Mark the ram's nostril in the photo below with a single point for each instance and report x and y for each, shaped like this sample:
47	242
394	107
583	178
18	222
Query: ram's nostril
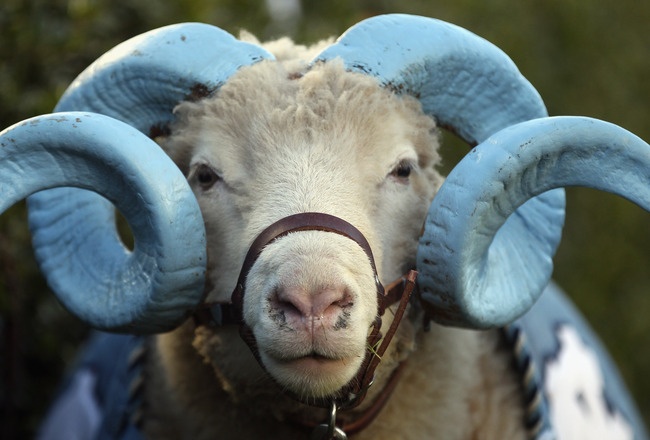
286	307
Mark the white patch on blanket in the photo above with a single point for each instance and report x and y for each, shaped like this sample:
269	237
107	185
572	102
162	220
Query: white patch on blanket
574	384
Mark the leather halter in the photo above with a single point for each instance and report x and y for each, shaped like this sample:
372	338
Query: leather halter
400	291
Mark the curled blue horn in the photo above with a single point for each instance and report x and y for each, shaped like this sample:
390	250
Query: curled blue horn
484	265
474	89
95	277
138	82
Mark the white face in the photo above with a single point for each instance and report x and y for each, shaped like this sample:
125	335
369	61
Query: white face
310	298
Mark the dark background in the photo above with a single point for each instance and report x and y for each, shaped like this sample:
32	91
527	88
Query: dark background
584	58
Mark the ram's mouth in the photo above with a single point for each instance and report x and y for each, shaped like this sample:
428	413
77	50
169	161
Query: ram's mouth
314	374
313	363
316	362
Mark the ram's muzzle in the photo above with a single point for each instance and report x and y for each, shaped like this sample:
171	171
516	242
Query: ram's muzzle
212	314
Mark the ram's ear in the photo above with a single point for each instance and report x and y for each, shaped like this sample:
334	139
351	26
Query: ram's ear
107	286
139	82
486	265
473	89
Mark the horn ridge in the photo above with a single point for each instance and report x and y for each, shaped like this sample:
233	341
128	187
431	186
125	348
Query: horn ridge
467	83
148	290
474	89
139	82
484	266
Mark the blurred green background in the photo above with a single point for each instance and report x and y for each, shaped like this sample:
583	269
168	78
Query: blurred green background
584	59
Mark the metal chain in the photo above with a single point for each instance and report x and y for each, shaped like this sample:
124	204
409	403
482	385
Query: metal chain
329	430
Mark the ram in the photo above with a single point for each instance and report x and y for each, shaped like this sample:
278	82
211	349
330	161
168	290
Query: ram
272	289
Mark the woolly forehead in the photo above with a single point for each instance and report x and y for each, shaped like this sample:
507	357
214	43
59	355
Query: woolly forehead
265	112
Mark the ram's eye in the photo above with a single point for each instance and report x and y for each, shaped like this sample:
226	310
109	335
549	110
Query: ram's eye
206	177
402	171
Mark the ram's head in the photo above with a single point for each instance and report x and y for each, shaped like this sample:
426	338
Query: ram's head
347	141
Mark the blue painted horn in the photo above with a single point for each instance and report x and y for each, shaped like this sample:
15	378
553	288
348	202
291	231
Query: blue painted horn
466	83
138	82
163	276
474	89
478	271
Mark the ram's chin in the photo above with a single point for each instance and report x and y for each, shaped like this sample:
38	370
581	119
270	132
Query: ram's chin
312	376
